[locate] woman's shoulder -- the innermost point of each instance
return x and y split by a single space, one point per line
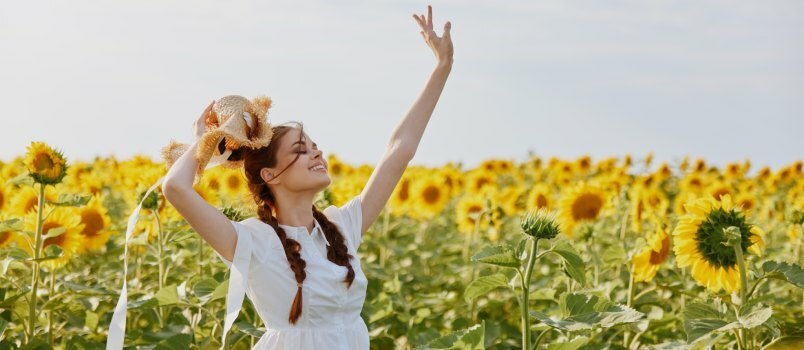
262 233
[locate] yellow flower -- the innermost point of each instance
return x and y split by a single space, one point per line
429 195
467 212
45 165
698 242
647 262
479 181
793 233
581 203
539 196
70 241
97 223
26 199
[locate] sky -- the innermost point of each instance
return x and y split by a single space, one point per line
719 80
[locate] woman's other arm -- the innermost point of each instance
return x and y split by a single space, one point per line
406 136
208 221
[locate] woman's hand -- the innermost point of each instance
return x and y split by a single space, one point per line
200 125
442 47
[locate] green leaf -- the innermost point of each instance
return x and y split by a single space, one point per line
484 285
572 261
248 328
168 295
570 345
176 342
500 255
91 320
471 338
11 225
18 253
204 289
755 318
87 290
788 272
21 179
54 232
586 311
701 319
71 200
52 251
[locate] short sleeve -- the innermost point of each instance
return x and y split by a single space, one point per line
240 229
351 218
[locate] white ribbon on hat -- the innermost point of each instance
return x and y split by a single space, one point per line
117 327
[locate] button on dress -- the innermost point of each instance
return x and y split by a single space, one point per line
330 317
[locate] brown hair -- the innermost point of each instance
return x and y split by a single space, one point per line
265 157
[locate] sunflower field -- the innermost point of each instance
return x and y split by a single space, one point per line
617 253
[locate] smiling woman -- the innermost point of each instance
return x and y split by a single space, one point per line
297 264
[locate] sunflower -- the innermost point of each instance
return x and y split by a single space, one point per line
8 238
70 240
583 202
718 188
97 223
693 182
429 196
467 212
539 197
647 262
479 181
793 233
698 242
746 201
4 191
26 200
45 165
400 201
508 199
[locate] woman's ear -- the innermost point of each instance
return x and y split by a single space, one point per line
268 176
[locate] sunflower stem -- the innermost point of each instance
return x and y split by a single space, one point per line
50 312
629 302
35 274
735 240
534 249
161 264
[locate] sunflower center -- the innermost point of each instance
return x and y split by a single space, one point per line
711 240
4 237
233 182
431 194
403 192
586 206
214 184
541 201
42 162
473 209
658 258
93 222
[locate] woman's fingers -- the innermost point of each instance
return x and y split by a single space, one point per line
419 20
430 15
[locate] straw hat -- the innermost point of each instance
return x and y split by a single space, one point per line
233 122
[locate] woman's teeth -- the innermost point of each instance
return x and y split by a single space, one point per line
318 168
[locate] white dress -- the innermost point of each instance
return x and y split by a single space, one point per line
330 317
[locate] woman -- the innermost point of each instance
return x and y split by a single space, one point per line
298 265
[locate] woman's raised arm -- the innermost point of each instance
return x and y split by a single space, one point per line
406 136
208 221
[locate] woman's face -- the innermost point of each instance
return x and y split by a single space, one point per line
303 174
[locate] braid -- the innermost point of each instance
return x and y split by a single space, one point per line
292 248
256 159
337 251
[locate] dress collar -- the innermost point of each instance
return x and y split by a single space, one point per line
317 230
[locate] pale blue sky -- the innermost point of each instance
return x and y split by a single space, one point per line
722 80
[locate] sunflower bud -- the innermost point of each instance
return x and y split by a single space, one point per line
540 223
150 203
45 165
